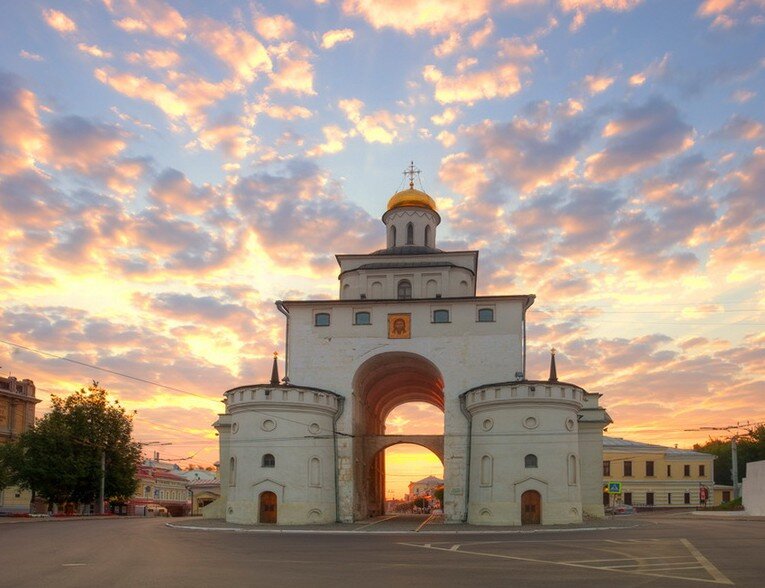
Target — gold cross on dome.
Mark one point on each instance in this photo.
(412, 172)
(553, 350)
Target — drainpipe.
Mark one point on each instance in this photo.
(285, 312)
(340, 410)
(468, 416)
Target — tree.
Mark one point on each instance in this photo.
(751, 447)
(60, 458)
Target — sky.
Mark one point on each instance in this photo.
(168, 169)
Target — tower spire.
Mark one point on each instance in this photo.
(412, 172)
(553, 371)
(275, 371)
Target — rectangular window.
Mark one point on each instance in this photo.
(687, 498)
(628, 498)
(606, 468)
(649, 498)
(362, 318)
(649, 468)
(686, 471)
(669, 497)
(627, 468)
(726, 496)
(702, 471)
(440, 316)
(485, 315)
(669, 471)
(321, 319)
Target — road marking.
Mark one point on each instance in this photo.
(700, 562)
(71, 565)
(425, 522)
(708, 566)
(377, 522)
(581, 561)
(454, 547)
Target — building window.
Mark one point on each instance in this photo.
(669, 471)
(440, 316)
(404, 290)
(726, 496)
(314, 472)
(606, 468)
(269, 461)
(628, 498)
(627, 468)
(232, 471)
(669, 497)
(530, 461)
(485, 315)
(486, 470)
(572, 470)
(702, 471)
(649, 498)
(410, 234)
(686, 471)
(427, 236)
(363, 318)
(321, 319)
(393, 236)
(649, 468)
(687, 498)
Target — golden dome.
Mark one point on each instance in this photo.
(411, 197)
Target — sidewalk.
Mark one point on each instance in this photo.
(397, 525)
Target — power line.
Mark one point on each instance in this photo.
(102, 369)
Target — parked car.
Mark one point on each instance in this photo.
(624, 509)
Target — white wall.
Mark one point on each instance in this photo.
(753, 488)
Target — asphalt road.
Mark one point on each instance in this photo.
(649, 551)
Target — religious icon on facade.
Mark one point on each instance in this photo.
(399, 326)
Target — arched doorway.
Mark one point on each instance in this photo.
(267, 508)
(381, 384)
(531, 508)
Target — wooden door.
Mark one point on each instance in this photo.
(268, 508)
(531, 508)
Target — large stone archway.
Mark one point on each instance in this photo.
(380, 384)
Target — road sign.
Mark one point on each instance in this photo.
(614, 487)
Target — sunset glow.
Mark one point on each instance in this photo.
(169, 169)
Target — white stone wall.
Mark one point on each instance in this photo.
(295, 426)
(753, 488)
(418, 217)
(465, 352)
(510, 422)
(456, 277)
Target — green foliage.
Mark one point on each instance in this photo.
(60, 458)
(438, 494)
(751, 447)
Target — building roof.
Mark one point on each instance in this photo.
(626, 444)
(429, 480)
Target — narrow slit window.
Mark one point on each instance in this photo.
(410, 234)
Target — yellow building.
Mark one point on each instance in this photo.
(655, 476)
(17, 414)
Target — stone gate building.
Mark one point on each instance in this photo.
(408, 327)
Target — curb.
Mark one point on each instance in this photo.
(358, 532)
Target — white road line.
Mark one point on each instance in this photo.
(718, 578)
(581, 561)
(377, 522)
(71, 565)
(425, 522)
(655, 566)
(708, 566)
(454, 547)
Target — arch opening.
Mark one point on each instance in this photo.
(391, 391)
